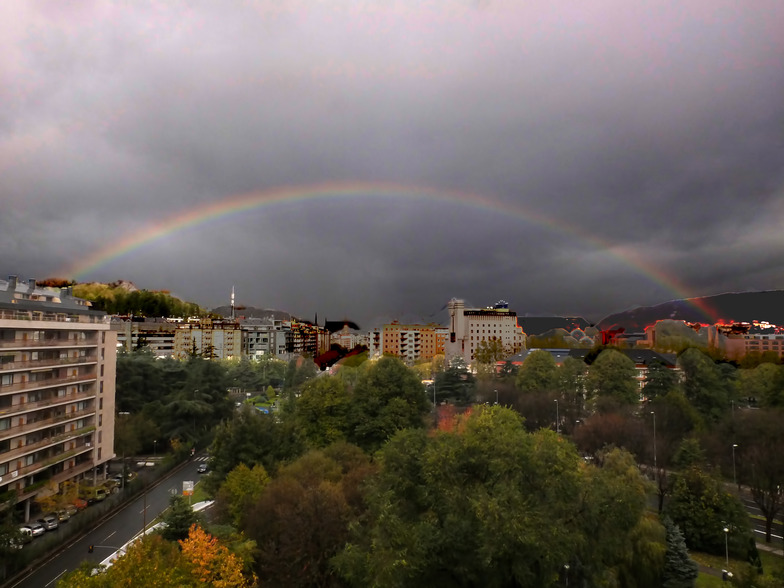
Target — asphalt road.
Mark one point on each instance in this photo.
(112, 533)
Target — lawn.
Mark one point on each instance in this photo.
(770, 562)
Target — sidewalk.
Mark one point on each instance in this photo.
(769, 548)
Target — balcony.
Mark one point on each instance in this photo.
(67, 474)
(55, 317)
(62, 438)
(16, 366)
(53, 343)
(43, 423)
(36, 467)
(50, 383)
(55, 401)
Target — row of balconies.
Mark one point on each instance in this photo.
(55, 343)
(65, 474)
(15, 366)
(54, 401)
(23, 450)
(57, 317)
(30, 427)
(43, 384)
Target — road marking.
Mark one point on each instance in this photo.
(108, 536)
(57, 576)
(772, 535)
(145, 508)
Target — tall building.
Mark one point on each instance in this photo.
(470, 326)
(57, 378)
(211, 338)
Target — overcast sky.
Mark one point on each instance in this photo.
(635, 150)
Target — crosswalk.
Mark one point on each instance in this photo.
(201, 458)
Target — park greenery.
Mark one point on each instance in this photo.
(535, 475)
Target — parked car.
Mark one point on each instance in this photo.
(202, 469)
(25, 536)
(50, 522)
(63, 515)
(80, 504)
(36, 528)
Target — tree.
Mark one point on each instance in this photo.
(179, 518)
(241, 490)
(760, 455)
(301, 518)
(611, 380)
(489, 504)
(706, 386)
(702, 509)
(456, 383)
(680, 570)
(659, 380)
(765, 383)
(489, 352)
(538, 373)
(211, 562)
(322, 411)
(388, 397)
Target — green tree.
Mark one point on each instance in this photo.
(491, 505)
(179, 518)
(707, 386)
(680, 570)
(611, 380)
(322, 411)
(659, 380)
(538, 373)
(765, 383)
(388, 397)
(455, 384)
(702, 509)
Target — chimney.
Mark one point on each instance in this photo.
(31, 283)
(12, 283)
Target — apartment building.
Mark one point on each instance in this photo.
(57, 382)
(470, 326)
(156, 334)
(211, 338)
(260, 337)
(411, 342)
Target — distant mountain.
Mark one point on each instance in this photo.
(268, 314)
(731, 307)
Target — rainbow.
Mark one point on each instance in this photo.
(332, 191)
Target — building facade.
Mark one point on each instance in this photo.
(210, 338)
(57, 383)
(470, 326)
(411, 343)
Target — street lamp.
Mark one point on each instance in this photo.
(566, 573)
(154, 447)
(496, 396)
(557, 418)
(734, 475)
(726, 546)
(654, 441)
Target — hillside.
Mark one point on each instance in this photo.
(730, 307)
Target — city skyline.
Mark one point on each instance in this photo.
(361, 161)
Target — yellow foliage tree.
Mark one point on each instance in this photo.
(212, 563)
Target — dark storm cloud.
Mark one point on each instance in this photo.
(651, 136)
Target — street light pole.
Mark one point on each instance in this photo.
(726, 547)
(734, 475)
(155, 448)
(655, 466)
(557, 418)
(496, 396)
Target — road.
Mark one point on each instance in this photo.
(112, 533)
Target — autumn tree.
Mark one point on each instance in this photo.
(211, 562)
(241, 490)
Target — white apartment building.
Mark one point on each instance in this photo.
(57, 383)
(469, 326)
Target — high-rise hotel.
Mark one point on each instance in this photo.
(57, 374)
